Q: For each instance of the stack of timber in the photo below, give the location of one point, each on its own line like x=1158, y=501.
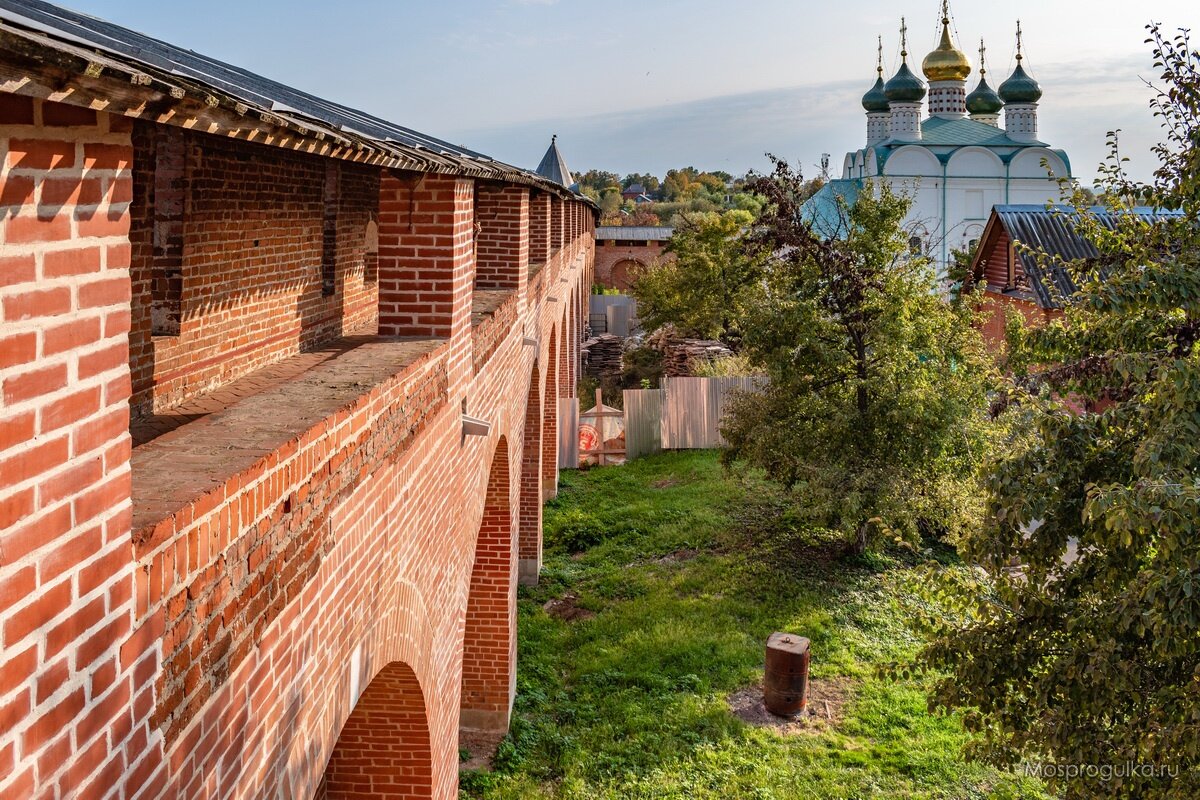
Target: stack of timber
x=602, y=355
x=680, y=355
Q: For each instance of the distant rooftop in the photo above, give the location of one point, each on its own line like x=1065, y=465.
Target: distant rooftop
x=635, y=233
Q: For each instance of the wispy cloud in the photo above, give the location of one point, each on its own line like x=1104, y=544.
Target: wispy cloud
x=733, y=132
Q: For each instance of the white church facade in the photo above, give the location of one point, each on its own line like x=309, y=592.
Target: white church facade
x=947, y=150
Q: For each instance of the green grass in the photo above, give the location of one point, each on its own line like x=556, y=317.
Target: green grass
x=631, y=703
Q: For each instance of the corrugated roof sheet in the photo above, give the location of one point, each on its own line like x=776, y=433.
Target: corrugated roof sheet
x=52, y=27
x=638, y=233
x=1050, y=234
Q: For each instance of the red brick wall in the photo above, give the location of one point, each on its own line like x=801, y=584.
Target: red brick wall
x=550, y=419
x=426, y=243
x=383, y=752
x=487, y=336
x=996, y=307
x=502, y=241
x=65, y=576
x=224, y=651
x=539, y=228
x=252, y=244
x=610, y=255
x=489, y=659
x=530, y=514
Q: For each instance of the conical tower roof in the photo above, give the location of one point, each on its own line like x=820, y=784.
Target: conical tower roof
x=554, y=166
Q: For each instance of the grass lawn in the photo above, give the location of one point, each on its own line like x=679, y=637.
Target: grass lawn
x=630, y=698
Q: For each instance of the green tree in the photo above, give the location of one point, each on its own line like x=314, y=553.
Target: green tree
x=650, y=183
x=1088, y=652
x=598, y=179
x=699, y=291
x=610, y=203
x=875, y=409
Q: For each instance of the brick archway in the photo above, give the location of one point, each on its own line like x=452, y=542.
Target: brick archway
x=383, y=751
x=529, y=525
x=489, y=663
x=550, y=421
x=564, y=360
x=624, y=273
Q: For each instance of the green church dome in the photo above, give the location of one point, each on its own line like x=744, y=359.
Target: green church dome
x=984, y=99
x=1020, y=88
x=876, y=99
x=905, y=87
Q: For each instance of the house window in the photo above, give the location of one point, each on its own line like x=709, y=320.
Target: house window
x=915, y=246
x=329, y=231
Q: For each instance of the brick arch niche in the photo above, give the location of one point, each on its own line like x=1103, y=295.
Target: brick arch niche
x=625, y=272
x=489, y=673
x=383, y=751
x=529, y=524
x=550, y=422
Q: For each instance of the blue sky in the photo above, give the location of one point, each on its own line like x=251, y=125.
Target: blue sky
x=645, y=85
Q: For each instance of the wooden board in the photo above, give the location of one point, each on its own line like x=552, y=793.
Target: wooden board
x=643, y=422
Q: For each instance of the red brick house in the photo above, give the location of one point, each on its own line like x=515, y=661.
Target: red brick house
x=1012, y=281
x=622, y=251
x=1019, y=265
x=279, y=397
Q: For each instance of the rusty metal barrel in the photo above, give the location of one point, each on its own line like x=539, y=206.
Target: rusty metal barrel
x=785, y=684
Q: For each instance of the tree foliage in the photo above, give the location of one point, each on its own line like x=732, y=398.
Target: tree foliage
x=1086, y=653
x=700, y=290
x=875, y=411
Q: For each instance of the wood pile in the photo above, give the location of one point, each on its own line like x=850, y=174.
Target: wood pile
x=602, y=355
x=680, y=355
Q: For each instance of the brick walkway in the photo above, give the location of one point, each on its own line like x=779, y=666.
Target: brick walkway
x=151, y=427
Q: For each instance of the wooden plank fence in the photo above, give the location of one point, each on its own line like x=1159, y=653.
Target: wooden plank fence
x=643, y=422
x=568, y=433
x=683, y=415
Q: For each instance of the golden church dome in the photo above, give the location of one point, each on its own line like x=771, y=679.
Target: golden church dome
x=947, y=62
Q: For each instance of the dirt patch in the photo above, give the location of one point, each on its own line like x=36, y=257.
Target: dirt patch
x=664, y=483
x=567, y=608
x=686, y=554
x=826, y=704
x=480, y=749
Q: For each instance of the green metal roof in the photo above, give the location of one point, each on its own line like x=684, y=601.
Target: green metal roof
x=938, y=131
x=822, y=210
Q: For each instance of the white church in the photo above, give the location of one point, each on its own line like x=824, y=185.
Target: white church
x=947, y=150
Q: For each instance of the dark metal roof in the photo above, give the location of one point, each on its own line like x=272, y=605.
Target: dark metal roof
x=554, y=166
x=635, y=233
x=1053, y=242
x=157, y=64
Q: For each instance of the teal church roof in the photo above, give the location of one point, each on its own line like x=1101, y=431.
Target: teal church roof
x=823, y=211
x=963, y=132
